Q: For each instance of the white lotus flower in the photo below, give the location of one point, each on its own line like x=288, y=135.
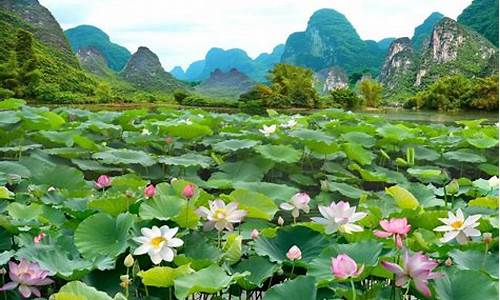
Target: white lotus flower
x=456, y=226
x=493, y=182
x=298, y=202
x=268, y=130
x=145, y=131
x=289, y=124
x=158, y=243
x=340, y=216
x=220, y=215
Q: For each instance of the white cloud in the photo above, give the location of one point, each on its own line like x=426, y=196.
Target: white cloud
x=182, y=31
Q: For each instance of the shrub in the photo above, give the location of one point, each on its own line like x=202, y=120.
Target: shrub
x=371, y=91
x=346, y=98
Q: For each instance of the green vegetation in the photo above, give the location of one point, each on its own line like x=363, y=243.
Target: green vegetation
x=247, y=205
x=423, y=31
x=482, y=16
x=458, y=92
x=371, y=91
x=345, y=98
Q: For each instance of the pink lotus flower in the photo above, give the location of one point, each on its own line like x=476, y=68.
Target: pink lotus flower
x=37, y=239
x=418, y=268
x=220, y=215
x=27, y=277
x=188, y=191
x=344, y=267
x=255, y=234
x=294, y=253
x=149, y=191
x=397, y=227
x=103, y=182
x=299, y=201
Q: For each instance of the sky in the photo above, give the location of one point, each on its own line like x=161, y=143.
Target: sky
x=182, y=31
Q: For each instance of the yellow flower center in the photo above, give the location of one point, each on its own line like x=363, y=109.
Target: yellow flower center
x=155, y=242
x=457, y=224
x=220, y=214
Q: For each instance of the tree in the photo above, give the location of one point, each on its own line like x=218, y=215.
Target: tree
x=291, y=86
x=484, y=94
x=346, y=98
x=8, y=77
x=27, y=64
x=371, y=91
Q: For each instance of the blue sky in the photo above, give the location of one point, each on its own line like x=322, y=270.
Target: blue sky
x=182, y=31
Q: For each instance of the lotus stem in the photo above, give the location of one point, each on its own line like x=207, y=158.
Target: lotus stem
x=353, y=288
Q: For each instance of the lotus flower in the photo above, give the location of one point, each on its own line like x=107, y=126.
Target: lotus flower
x=149, y=191
x=459, y=228
x=339, y=216
x=145, y=131
x=103, y=182
x=281, y=222
x=268, y=130
x=27, y=277
x=255, y=234
x=37, y=239
x=294, y=253
x=158, y=243
x=394, y=227
x=344, y=267
x=188, y=191
x=220, y=215
x=289, y=124
x=418, y=268
x=299, y=201
x=493, y=182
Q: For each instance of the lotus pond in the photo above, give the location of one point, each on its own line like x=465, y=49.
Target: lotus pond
x=187, y=204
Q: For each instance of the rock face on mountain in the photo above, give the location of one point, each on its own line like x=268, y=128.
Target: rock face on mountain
x=330, y=40
x=455, y=49
x=384, y=44
x=399, y=63
x=92, y=60
x=423, y=31
x=86, y=37
x=144, y=70
x=330, y=79
x=482, y=16
x=44, y=25
x=226, y=84
x=178, y=73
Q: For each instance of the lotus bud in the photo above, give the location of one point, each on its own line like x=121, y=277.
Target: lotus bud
x=169, y=140
x=149, y=191
x=281, y=221
x=294, y=253
x=128, y=261
x=487, y=238
x=51, y=189
x=255, y=234
x=452, y=187
x=37, y=239
x=103, y=181
x=325, y=186
x=125, y=281
x=448, y=262
x=129, y=194
x=188, y=191
x=3, y=271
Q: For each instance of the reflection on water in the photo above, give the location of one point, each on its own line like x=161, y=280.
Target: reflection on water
x=396, y=114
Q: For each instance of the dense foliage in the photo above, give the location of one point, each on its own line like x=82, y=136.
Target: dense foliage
x=346, y=98
x=459, y=92
x=423, y=32
x=482, y=16
x=174, y=204
x=371, y=91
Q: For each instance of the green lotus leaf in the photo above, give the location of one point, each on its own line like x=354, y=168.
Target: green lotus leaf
x=6, y=194
x=161, y=207
x=281, y=192
x=482, y=141
x=14, y=168
x=259, y=268
x=475, y=260
x=395, y=132
x=300, y=288
x=465, y=155
x=198, y=251
x=102, y=234
x=11, y=104
x=232, y=248
x=76, y=290
x=403, y=198
x=112, y=203
x=466, y=285
x=311, y=135
x=360, y=138
x=185, y=131
x=488, y=202
x=163, y=276
x=124, y=157
x=5, y=256
x=279, y=153
x=358, y=154
x=310, y=242
x=345, y=189
x=22, y=212
x=257, y=205
x=8, y=118
x=234, y=145
x=188, y=160
x=209, y=280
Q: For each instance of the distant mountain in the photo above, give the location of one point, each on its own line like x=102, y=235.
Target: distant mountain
x=92, y=60
x=178, y=72
x=423, y=31
x=43, y=25
x=144, y=71
x=384, y=44
x=330, y=79
x=451, y=49
x=482, y=16
x=330, y=40
x=226, y=84
x=225, y=60
x=86, y=36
